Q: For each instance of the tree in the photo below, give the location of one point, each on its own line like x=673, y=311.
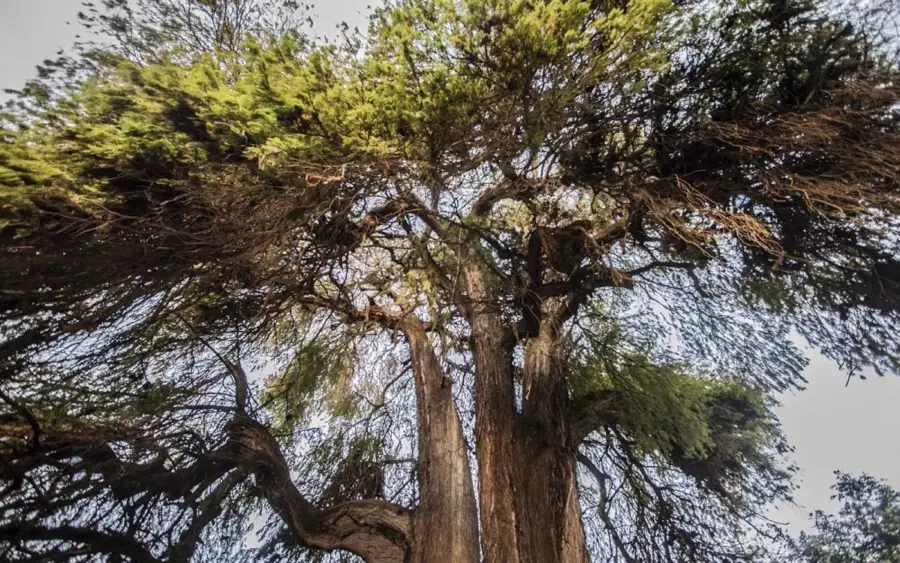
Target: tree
x=867, y=528
x=562, y=243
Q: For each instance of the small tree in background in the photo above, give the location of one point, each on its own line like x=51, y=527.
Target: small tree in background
x=315, y=287
x=865, y=530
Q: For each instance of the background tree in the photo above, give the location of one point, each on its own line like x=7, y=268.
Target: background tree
x=316, y=286
x=866, y=529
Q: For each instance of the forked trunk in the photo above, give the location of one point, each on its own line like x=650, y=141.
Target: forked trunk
x=528, y=494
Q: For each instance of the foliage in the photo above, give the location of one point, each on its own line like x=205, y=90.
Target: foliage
x=291, y=392
x=866, y=529
x=675, y=431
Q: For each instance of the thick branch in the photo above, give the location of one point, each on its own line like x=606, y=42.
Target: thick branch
x=593, y=411
x=124, y=479
x=506, y=190
x=586, y=279
x=495, y=417
x=446, y=523
x=373, y=529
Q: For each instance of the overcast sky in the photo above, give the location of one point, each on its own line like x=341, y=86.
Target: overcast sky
x=831, y=426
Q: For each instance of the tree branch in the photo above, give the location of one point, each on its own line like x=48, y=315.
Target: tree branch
x=99, y=542
x=26, y=414
x=210, y=509
x=372, y=529
x=656, y=264
x=241, y=384
x=602, y=479
x=592, y=411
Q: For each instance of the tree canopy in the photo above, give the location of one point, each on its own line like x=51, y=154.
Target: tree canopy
x=865, y=529
x=501, y=280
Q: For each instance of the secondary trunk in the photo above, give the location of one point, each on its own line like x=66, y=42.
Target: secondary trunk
x=551, y=528
x=495, y=426
x=445, y=524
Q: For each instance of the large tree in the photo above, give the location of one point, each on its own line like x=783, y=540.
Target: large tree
x=503, y=280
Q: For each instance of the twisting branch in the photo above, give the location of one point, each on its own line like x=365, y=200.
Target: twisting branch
x=372, y=529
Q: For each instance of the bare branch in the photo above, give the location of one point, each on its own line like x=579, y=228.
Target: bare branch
x=97, y=541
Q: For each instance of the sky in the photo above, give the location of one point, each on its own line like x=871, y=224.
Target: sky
x=832, y=426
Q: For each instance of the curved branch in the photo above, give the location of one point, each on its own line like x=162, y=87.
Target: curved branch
x=241, y=384
x=372, y=529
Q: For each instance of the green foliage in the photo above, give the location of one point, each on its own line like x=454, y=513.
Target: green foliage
x=22, y=172
x=318, y=372
x=865, y=530
x=666, y=408
x=704, y=178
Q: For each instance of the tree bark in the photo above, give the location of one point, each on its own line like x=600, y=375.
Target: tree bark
x=530, y=511
x=377, y=531
x=443, y=527
x=445, y=524
x=495, y=424
x=552, y=529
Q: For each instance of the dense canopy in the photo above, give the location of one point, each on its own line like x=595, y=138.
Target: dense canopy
x=500, y=280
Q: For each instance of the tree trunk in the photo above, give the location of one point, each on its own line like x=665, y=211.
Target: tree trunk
x=495, y=426
x=552, y=529
x=530, y=512
x=445, y=524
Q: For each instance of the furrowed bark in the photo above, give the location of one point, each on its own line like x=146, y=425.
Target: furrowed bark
x=495, y=424
x=550, y=511
x=445, y=524
x=530, y=511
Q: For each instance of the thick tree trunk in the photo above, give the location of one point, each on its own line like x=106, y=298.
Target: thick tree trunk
x=495, y=426
x=445, y=524
x=552, y=529
x=530, y=512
